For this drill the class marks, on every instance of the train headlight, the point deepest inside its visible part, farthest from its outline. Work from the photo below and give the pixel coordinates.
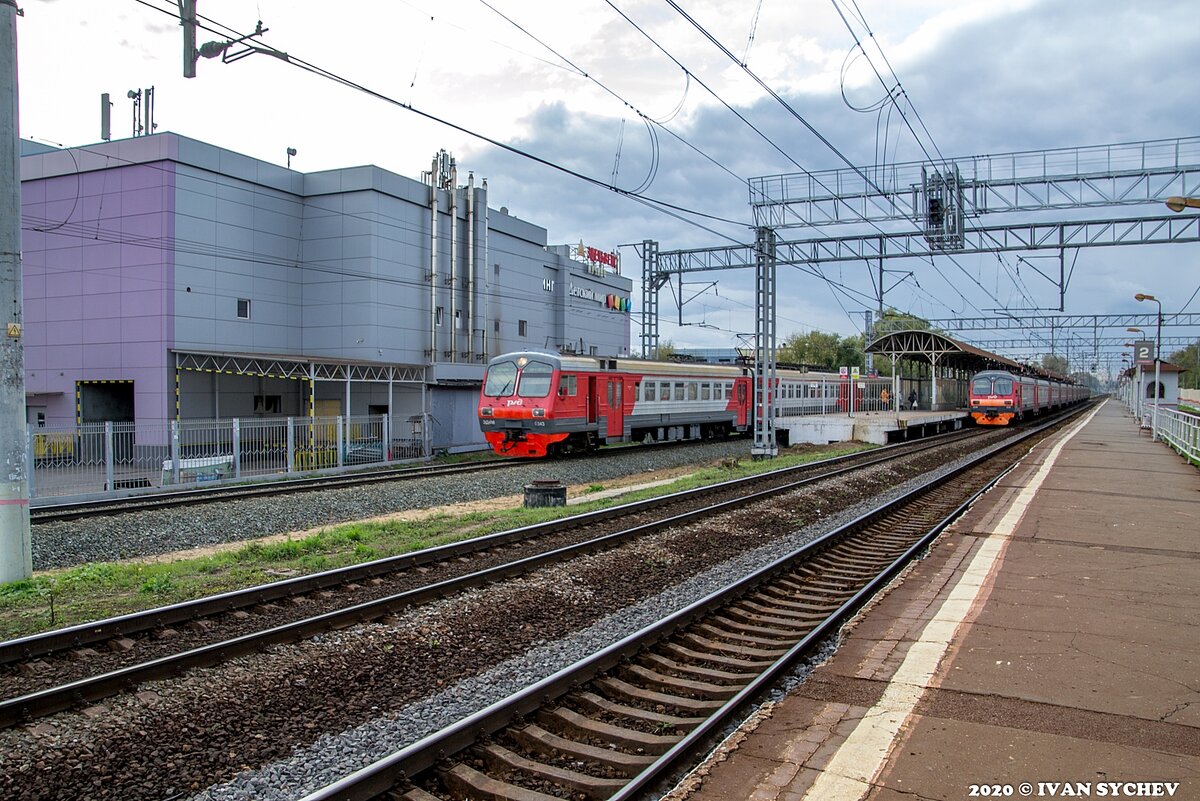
(485, 411)
(539, 412)
(1008, 403)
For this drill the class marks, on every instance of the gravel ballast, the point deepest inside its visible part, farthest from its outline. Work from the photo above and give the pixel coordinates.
(150, 533)
(333, 756)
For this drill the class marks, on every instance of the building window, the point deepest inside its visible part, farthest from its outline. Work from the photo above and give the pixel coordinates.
(496, 326)
(458, 321)
(496, 268)
(243, 308)
(268, 404)
(522, 328)
(437, 316)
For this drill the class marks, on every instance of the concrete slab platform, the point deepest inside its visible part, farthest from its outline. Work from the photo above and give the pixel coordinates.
(878, 428)
(1069, 603)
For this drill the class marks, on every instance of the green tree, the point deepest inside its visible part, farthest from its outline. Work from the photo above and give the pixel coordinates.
(1054, 363)
(1189, 359)
(665, 350)
(815, 349)
(893, 320)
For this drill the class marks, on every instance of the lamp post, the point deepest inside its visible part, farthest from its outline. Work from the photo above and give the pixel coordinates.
(1137, 408)
(1178, 204)
(1139, 297)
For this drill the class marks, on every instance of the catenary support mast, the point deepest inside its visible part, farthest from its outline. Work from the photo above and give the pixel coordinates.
(16, 556)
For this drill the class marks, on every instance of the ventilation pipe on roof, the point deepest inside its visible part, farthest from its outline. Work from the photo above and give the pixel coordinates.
(452, 277)
(470, 267)
(485, 289)
(433, 245)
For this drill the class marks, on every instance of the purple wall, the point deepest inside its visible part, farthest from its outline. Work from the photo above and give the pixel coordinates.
(98, 263)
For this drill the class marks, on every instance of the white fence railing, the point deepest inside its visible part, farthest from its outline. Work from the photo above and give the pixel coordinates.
(1181, 431)
(107, 458)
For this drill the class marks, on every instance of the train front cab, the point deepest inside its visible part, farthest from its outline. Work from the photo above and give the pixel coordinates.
(995, 398)
(517, 408)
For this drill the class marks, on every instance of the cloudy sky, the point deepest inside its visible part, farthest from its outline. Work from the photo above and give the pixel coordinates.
(633, 93)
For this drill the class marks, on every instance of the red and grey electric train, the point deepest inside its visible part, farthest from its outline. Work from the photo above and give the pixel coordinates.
(999, 397)
(536, 404)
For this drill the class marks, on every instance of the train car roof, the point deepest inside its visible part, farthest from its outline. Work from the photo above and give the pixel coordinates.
(599, 364)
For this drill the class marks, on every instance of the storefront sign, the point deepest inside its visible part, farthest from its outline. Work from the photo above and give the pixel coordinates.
(599, 262)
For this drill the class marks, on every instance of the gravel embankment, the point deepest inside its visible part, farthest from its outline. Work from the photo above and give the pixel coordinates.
(143, 534)
(334, 755)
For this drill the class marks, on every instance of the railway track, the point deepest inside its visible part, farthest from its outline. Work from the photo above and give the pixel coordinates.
(45, 673)
(75, 510)
(618, 723)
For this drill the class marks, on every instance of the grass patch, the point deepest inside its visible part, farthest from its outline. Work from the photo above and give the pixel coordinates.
(99, 590)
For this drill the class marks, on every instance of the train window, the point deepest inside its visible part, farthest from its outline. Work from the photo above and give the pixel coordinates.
(535, 380)
(501, 379)
(611, 395)
(566, 385)
(1002, 386)
(706, 392)
(741, 393)
(637, 391)
(693, 391)
(648, 392)
(981, 386)
(664, 391)
(679, 390)
(729, 389)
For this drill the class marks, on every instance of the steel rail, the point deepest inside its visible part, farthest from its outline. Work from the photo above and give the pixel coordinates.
(379, 777)
(73, 510)
(94, 688)
(98, 631)
(251, 487)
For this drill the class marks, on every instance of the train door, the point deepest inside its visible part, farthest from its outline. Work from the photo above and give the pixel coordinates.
(616, 416)
(593, 401)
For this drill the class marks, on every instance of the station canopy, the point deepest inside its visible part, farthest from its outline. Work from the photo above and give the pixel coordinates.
(940, 351)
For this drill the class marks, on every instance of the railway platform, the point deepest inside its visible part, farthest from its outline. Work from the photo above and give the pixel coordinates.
(877, 427)
(1048, 647)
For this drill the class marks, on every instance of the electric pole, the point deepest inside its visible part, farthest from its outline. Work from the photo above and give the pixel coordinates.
(16, 555)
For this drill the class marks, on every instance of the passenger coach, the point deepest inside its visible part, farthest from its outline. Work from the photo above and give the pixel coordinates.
(537, 404)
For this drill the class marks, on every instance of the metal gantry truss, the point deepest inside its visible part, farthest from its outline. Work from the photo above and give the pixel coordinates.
(1102, 176)
(928, 209)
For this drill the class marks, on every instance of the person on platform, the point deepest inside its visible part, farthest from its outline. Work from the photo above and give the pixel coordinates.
(912, 399)
(884, 397)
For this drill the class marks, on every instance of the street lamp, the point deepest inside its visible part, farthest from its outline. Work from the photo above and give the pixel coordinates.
(1139, 297)
(1180, 203)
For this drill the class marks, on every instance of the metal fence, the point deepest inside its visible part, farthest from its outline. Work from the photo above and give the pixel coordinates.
(107, 458)
(852, 396)
(1181, 431)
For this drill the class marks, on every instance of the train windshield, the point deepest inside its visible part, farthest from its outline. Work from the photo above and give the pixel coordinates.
(535, 380)
(981, 386)
(1002, 386)
(501, 380)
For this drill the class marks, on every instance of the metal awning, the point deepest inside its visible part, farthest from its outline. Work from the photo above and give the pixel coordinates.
(298, 367)
(938, 349)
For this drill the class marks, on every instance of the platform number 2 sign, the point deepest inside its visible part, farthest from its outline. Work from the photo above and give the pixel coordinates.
(1143, 351)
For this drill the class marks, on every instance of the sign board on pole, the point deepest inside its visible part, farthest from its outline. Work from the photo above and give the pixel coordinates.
(843, 371)
(1143, 351)
(854, 372)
